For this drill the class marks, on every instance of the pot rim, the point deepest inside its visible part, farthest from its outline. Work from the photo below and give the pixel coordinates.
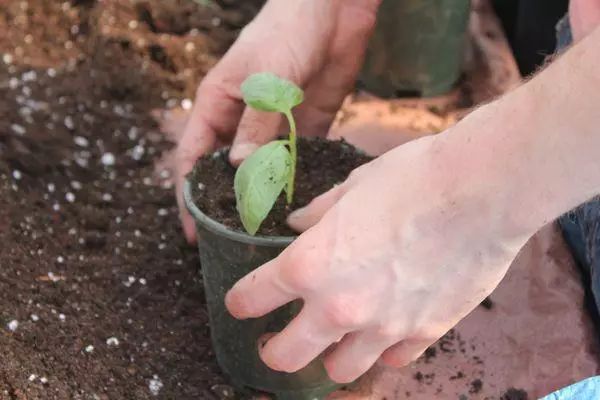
(222, 230)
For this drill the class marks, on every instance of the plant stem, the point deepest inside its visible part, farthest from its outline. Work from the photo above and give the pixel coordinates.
(294, 153)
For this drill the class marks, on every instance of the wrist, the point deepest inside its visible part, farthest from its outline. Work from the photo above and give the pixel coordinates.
(491, 162)
(534, 154)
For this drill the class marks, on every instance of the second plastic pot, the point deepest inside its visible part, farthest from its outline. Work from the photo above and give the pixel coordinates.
(226, 257)
(417, 47)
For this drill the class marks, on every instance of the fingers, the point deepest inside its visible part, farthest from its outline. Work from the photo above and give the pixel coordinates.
(259, 293)
(255, 129)
(296, 273)
(303, 340)
(405, 352)
(327, 90)
(197, 140)
(217, 110)
(171, 122)
(356, 354)
(305, 218)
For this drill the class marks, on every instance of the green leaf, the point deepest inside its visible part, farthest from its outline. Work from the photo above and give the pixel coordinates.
(268, 92)
(259, 181)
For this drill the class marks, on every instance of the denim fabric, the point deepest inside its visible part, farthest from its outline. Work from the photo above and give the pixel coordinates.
(564, 36)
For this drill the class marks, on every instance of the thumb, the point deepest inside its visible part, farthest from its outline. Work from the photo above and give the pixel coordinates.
(255, 129)
(305, 218)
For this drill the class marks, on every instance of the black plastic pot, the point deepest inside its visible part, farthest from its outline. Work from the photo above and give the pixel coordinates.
(226, 257)
(417, 48)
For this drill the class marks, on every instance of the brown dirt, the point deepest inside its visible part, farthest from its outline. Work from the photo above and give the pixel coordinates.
(100, 294)
(514, 394)
(321, 165)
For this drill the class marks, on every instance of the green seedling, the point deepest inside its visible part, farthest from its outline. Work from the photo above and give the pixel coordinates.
(272, 168)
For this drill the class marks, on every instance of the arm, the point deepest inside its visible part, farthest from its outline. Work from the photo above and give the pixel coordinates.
(540, 143)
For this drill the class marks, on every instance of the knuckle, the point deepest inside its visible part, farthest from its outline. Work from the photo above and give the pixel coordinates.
(423, 331)
(302, 273)
(337, 374)
(387, 334)
(344, 312)
(207, 85)
(357, 173)
(395, 359)
(215, 88)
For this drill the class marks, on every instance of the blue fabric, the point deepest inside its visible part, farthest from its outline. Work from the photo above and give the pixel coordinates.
(588, 389)
(564, 36)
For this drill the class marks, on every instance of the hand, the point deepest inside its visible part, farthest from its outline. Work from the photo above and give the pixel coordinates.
(390, 279)
(584, 16)
(317, 44)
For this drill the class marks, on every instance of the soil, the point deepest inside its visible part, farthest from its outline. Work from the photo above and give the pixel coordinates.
(514, 394)
(101, 297)
(321, 165)
(487, 303)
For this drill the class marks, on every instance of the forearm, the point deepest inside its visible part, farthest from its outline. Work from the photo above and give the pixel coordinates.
(536, 151)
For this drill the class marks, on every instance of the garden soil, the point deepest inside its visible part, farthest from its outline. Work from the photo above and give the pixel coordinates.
(100, 296)
(321, 164)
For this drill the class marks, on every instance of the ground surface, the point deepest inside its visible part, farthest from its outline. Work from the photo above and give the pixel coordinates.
(100, 296)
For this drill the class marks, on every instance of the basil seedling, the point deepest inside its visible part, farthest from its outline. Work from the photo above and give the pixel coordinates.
(271, 169)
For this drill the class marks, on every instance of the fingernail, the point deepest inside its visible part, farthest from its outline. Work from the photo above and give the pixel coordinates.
(234, 306)
(239, 152)
(297, 220)
(298, 214)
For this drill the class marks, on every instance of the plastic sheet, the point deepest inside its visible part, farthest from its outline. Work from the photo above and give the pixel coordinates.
(588, 389)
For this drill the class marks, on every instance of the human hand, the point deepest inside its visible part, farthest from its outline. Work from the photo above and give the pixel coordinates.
(319, 45)
(387, 280)
(584, 16)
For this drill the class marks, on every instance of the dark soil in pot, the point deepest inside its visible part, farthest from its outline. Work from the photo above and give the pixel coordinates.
(321, 165)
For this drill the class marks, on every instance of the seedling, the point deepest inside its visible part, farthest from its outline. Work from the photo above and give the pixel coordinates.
(271, 169)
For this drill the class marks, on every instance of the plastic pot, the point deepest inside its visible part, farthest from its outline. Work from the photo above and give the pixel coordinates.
(417, 48)
(226, 257)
